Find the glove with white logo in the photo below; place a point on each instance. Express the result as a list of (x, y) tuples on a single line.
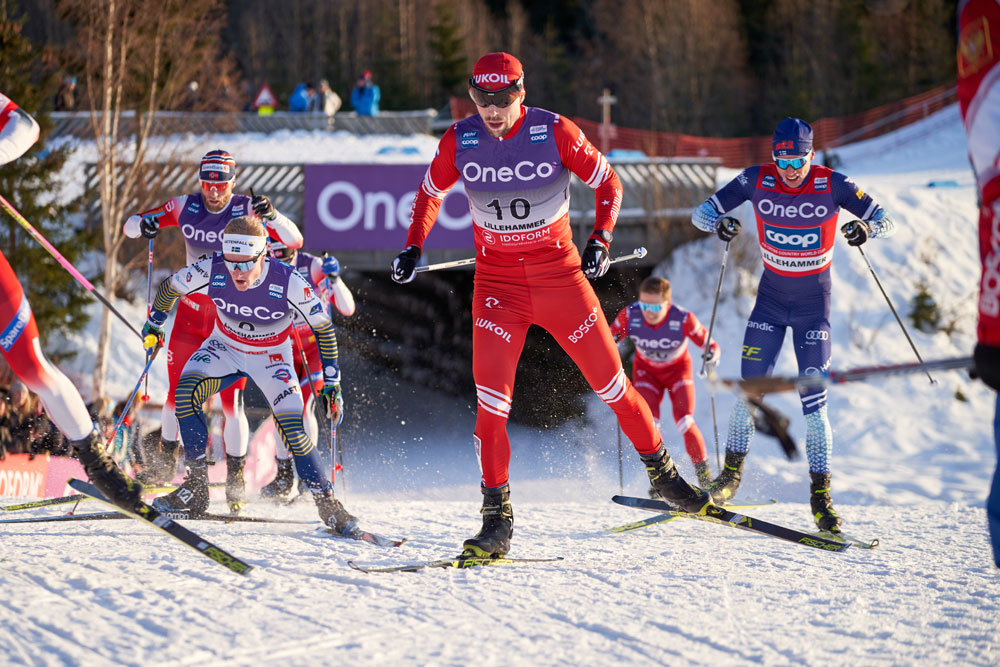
[(263, 207), (149, 225), (728, 228), (713, 354), (405, 265), (332, 403), (331, 267), (595, 260), (855, 231)]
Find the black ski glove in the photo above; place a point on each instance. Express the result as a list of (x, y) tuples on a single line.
[(405, 265), (986, 365), (728, 228), (149, 225), (855, 231), (263, 207), (595, 259)]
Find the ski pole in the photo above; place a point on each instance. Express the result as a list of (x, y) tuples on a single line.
[(846, 228), (150, 356), (715, 429), (775, 384), (638, 253), (149, 306), (62, 260), (730, 223)]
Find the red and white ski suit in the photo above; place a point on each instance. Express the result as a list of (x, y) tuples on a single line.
[(18, 331), (527, 268), (662, 363)]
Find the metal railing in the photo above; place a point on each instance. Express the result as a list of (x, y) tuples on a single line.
[(657, 194), (78, 123)]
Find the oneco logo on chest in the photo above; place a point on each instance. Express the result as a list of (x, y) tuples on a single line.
[(525, 170), (803, 210)]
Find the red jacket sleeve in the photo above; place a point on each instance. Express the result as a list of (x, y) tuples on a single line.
[(439, 179), (583, 159)]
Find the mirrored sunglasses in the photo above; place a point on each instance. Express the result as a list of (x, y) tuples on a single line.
[(243, 266), (501, 99), (794, 163), (284, 254), (650, 307)]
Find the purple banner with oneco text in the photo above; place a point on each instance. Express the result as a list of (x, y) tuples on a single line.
[(367, 207)]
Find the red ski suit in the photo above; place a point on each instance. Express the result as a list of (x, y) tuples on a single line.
[(671, 372), (530, 277)]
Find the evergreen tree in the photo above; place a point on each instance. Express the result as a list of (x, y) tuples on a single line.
[(448, 48), (31, 183)]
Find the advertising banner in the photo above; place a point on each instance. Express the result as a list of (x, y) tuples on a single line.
[(22, 476), (367, 207)]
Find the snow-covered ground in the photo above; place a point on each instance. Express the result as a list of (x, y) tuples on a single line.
[(912, 464)]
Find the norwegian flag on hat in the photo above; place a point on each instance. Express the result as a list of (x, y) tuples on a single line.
[(217, 165), (496, 71)]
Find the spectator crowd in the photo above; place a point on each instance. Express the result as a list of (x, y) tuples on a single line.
[(25, 428)]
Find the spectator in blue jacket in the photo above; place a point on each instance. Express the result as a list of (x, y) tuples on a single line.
[(301, 97), (366, 95)]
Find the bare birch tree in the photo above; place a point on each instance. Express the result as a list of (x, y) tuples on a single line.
[(137, 58)]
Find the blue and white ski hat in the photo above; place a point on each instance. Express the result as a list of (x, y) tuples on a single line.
[(217, 166), (792, 137)]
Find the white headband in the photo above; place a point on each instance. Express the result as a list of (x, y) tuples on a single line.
[(241, 244)]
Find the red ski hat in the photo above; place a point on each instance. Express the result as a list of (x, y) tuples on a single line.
[(496, 71)]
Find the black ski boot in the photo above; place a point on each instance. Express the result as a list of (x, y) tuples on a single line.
[(236, 491), (824, 515), (284, 479), (190, 499), (105, 474), (725, 485), (703, 474), (333, 513), (671, 486), (493, 539)]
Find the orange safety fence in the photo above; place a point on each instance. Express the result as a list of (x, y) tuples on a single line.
[(743, 151)]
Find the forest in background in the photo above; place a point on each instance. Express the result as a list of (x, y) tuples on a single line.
[(707, 67)]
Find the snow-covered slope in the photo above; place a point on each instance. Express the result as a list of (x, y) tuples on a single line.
[(911, 463)]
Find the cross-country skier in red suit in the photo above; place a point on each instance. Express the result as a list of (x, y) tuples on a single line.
[(515, 162), (979, 100), (201, 217), (660, 329), (20, 346)]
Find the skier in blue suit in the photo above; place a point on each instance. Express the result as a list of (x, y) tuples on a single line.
[(795, 206)]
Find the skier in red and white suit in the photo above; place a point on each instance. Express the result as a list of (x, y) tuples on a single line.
[(659, 330), (201, 218), (515, 164), (979, 100), (21, 349)]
